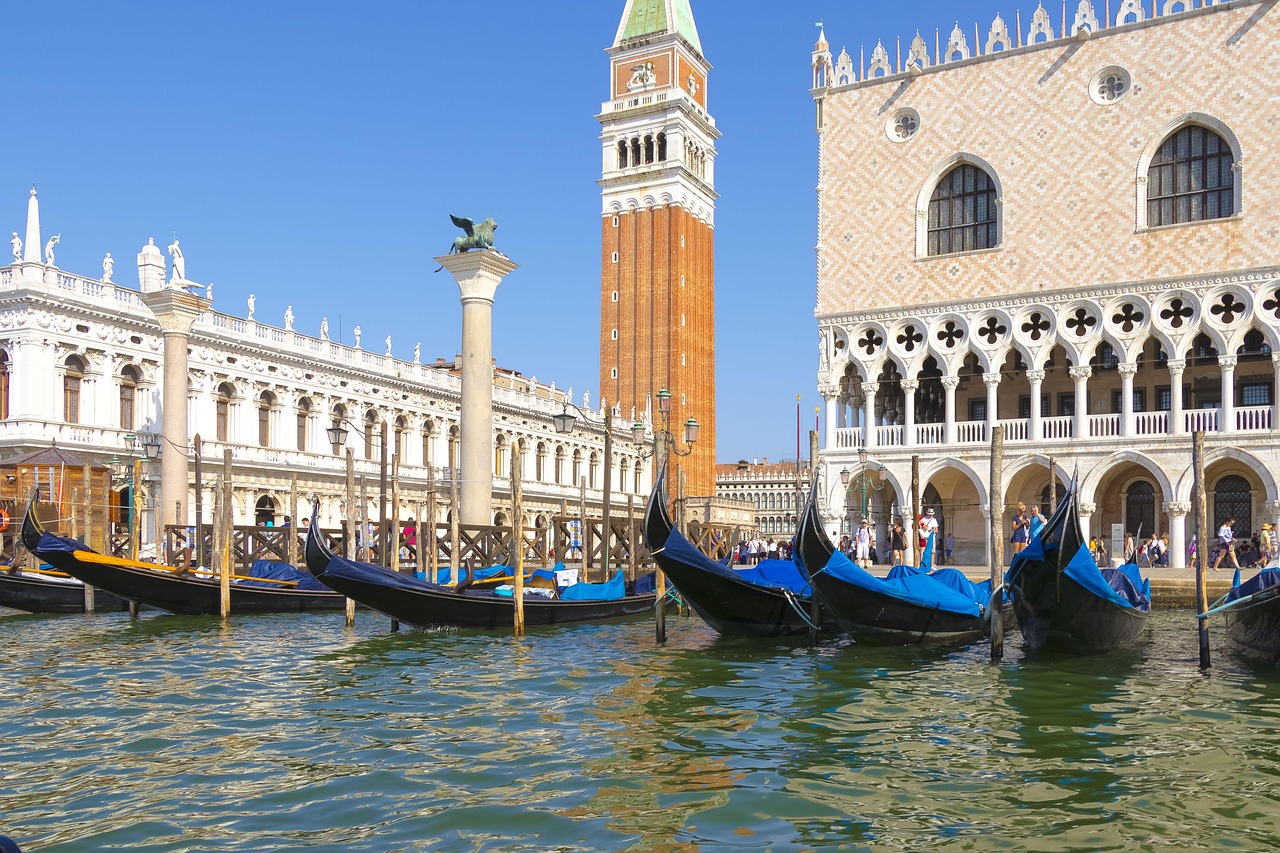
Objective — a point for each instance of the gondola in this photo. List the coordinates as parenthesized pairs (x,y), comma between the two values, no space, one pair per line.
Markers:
(51,592)
(163,587)
(770,600)
(1251,611)
(1063,601)
(906,607)
(427,605)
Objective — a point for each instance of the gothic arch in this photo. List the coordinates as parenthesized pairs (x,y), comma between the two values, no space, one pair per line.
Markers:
(1206,120)
(930,184)
(1218,454)
(1099,471)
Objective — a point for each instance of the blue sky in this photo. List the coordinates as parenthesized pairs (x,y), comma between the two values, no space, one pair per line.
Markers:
(311,153)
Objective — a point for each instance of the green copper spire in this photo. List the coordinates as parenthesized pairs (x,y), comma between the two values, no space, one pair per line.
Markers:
(655,17)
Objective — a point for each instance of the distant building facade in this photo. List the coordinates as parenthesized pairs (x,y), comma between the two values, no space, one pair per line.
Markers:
(775,489)
(1069,231)
(657,300)
(82,363)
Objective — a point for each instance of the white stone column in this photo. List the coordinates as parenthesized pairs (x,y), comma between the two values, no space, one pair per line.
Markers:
(1081,376)
(176,310)
(992,381)
(1275,393)
(829,424)
(988,549)
(1177,512)
(869,391)
(1128,425)
(1086,518)
(1177,421)
(1274,507)
(949,385)
(909,388)
(1227,414)
(1035,430)
(478,274)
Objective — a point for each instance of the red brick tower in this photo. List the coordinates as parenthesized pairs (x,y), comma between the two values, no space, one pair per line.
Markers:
(657,299)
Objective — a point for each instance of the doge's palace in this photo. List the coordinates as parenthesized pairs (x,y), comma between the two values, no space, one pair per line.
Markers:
(1067,227)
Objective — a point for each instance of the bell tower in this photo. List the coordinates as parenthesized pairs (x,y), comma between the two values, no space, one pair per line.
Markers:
(657,299)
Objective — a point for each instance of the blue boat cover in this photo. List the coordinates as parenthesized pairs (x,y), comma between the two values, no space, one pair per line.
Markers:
(906,584)
(274,570)
(369,573)
(647,584)
(954,578)
(1262,580)
(613,590)
(770,573)
(1118,588)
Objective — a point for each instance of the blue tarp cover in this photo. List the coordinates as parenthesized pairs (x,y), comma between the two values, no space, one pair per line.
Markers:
(647,584)
(1262,580)
(1083,570)
(369,573)
(911,585)
(282,572)
(613,590)
(770,573)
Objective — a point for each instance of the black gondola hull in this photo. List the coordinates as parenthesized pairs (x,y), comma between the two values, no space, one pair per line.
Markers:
(187,595)
(36,594)
(1254,629)
(737,608)
(427,608)
(1056,614)
(883,619)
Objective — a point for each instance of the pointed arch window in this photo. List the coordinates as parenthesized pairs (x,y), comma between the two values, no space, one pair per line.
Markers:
(1191,178)
(71,382)
(963,212)
(128,396)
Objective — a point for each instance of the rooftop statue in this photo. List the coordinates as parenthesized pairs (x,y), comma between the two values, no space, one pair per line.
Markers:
(16,243)
(48,249)
(179,262)
(108,267)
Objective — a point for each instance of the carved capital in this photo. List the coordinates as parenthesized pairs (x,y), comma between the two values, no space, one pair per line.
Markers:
(910,386)
(1177,365)
(1128,369)
(870,388)
(1078,373)
(1274,506)
(1177,509)
(1227,362)
(1035,377)
(1087,508)
(991,379)
(951,382)
(1275,359)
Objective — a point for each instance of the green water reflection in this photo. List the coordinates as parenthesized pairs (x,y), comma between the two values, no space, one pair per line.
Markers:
(288,732)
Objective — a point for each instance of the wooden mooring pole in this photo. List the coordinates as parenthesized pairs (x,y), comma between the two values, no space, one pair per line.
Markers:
(1202,543)
(996,502)
(228,534)
(86,512)
(1053,485)
(517,536)
(913,539)
(349,541)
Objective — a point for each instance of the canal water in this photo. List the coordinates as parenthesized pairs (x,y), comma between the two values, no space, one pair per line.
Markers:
(280,733)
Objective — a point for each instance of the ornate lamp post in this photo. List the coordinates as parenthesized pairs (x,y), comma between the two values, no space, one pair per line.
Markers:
(338,436)
(882,474)
(564,425)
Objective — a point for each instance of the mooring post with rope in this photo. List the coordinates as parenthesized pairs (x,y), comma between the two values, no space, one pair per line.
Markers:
(1202,544)
(517,536)
(996,502)
(228,533)
(349,541)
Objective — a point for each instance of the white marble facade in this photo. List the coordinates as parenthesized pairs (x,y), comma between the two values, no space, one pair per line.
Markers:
(81,363)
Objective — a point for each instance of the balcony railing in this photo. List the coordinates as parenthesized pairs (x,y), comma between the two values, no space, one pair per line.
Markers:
(1152,425)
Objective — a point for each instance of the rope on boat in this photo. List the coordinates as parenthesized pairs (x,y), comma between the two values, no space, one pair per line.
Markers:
(795,605)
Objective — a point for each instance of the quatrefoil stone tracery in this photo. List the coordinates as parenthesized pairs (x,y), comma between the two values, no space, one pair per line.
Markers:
(1227,308)
(993,330)
(910,338)
(1177,314)
(1036,326)
(950,334)
(1272,304)
(871,342)
(1128,318)
(1081,321)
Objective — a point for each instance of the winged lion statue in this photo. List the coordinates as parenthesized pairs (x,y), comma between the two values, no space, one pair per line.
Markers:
(479,235)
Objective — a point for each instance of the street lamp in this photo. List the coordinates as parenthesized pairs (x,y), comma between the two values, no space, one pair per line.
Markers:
(882,474)
(564,425)
(338,436)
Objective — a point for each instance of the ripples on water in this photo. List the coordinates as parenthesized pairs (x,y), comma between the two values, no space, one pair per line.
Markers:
(277,733)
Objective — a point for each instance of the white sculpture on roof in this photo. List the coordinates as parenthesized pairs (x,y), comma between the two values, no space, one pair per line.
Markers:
(108,267)
(179,262)
(48,249)
(16,243)
(324,328)
(288,318)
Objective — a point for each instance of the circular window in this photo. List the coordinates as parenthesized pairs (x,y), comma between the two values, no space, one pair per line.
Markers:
(902,125)
(1110,85)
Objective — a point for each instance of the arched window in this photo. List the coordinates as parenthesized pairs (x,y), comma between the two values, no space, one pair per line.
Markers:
(1140,510)
(128,396)
(662,147)
(592,468)
(4,385)
(453,447)
(558,473)
(264,511)
(577,467)
(540,463)
(962,212)
(1191,178)
(499,456)
(265,403)
(71,389)
(639,468)
(304,415)
(1232,498)
(222,404)
(622,154)
(370,422)
(428,433)
(402,428)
